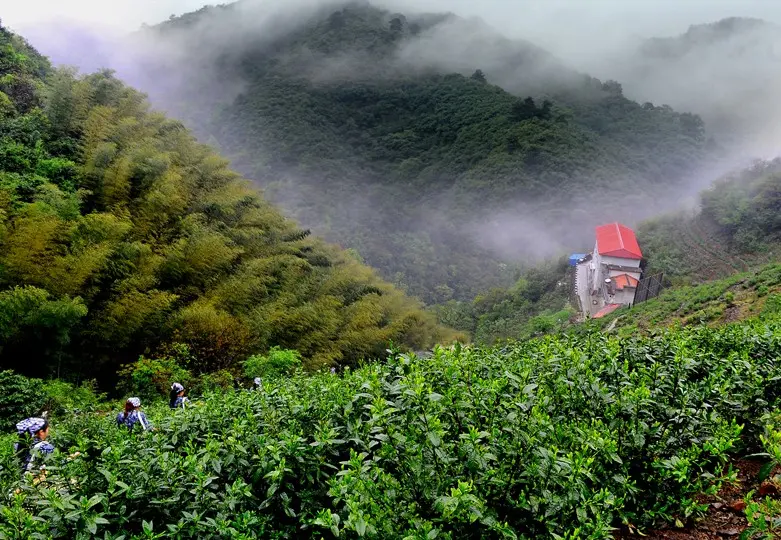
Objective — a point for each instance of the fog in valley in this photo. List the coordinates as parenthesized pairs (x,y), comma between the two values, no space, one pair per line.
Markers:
(729,75)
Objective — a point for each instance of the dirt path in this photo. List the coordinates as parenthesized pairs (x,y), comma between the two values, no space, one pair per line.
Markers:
(709,264)
(710,243)
(725,517)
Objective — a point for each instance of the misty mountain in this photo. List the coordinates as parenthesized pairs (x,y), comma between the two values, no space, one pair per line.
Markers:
(729,72)
(432,145)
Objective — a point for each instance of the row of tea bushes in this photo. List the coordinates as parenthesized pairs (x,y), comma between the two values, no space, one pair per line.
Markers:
(565,437)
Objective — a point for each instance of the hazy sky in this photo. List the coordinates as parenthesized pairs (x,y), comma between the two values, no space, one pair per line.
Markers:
(123,14)
(541,20)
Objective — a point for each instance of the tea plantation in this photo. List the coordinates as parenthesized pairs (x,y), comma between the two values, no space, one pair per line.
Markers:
(561,437)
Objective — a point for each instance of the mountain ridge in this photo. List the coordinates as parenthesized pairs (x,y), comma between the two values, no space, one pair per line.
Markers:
(378,143)
(725,71)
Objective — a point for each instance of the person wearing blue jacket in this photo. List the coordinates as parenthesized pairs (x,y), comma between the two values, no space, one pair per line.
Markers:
(132,415)
(32,444)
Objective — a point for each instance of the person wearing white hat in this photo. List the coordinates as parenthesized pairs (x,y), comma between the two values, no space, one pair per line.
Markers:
(176,398)
(133,415)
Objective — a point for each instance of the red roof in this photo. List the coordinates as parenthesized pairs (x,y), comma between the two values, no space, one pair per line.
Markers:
(616,240)
(610,308)
(624,280)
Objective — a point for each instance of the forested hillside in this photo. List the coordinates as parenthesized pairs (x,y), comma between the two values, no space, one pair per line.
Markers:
(120,235)
(737,226)
(357,123)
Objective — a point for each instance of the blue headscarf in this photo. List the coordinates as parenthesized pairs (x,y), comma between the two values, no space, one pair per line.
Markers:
(30,425)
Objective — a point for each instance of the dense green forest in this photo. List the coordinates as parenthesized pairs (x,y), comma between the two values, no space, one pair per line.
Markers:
(120,236)
(434,175)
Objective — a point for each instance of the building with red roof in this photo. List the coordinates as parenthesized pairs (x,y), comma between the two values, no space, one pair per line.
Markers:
(616,240)
(607,310)
(614,270)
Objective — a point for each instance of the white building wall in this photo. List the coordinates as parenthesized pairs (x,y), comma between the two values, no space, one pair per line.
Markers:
(595,270)
(596,277)
(624,296)
(620,261)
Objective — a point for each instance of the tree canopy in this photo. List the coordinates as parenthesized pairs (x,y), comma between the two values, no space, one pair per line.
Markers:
(121,235)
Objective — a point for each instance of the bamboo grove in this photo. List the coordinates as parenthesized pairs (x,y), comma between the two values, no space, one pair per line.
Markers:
(120,235)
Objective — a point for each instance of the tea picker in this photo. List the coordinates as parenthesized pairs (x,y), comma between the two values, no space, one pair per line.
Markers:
(32,443)
(176,397)
(132,415)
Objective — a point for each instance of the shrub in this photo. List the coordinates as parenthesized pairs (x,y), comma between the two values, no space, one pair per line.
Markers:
(210,382)
(729,298)
(152,377)
(65,398)
(276,363)
(558,437)
(772,305)
(20,397)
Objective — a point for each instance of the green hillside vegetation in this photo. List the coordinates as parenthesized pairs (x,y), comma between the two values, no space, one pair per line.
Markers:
(746,295)
(134,255)
(403,162)
(737,227)
(120,235)
(570,437)
(538,303)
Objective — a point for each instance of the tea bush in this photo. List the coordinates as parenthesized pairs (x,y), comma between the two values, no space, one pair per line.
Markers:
(210,382)
(561,437)
(276,363)
(63,398)
(150,377)
(764,515)
(21,397)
